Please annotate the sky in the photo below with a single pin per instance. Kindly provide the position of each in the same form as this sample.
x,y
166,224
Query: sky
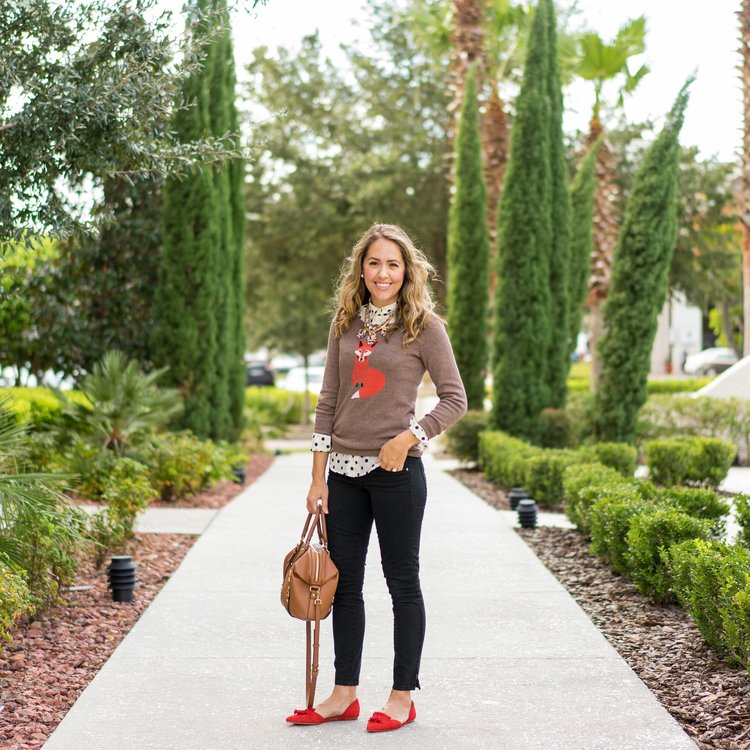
x,y
683,37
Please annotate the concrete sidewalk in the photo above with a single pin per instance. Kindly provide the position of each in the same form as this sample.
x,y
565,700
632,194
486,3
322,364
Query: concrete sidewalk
x,y
510,662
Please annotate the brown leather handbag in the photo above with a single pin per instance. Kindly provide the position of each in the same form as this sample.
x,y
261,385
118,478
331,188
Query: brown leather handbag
x,y
310,580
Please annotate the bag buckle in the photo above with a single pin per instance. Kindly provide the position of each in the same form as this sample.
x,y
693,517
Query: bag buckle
x,y
315,594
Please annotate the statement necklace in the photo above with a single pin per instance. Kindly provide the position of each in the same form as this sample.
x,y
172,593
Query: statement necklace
x,y
370,331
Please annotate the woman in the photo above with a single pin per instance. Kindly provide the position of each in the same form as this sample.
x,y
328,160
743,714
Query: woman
x,y
382,339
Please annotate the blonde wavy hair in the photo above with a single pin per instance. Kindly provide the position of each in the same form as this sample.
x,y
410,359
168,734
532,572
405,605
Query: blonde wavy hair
x,y
415,304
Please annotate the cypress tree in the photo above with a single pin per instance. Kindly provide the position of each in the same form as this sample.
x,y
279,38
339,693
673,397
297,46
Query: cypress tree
x,y
187,295
522,324
639,282
558,348
216,66
468,252
581,241
237,277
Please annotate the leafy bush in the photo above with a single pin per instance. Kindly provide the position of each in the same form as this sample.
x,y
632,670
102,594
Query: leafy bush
x,y
463,437
46,546
619,456
664,416
502,457
556,429
581,409
668,460
647,539
742,514
711,580
91,466
583,485
15,599
680,459
128,492
181,464
700,503
543,474
610,517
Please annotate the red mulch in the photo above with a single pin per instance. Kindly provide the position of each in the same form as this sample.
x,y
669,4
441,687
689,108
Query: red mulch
x,y
53,658
709,698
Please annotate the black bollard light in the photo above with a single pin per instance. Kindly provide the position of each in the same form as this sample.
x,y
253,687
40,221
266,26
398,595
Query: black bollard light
x,y
239,475
516,494
527,513
121,578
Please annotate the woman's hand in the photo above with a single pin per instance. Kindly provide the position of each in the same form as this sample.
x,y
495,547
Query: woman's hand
x,y
318,491
393,453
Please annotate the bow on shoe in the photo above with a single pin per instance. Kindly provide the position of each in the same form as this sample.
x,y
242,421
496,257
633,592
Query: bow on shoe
x,y
304,711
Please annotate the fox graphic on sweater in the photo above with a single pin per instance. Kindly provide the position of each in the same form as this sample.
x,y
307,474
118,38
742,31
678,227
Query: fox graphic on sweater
x,y
366,379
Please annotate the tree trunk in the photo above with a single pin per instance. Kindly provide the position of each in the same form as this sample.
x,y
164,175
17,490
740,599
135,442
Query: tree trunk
x,y
604,236
596,320
744,16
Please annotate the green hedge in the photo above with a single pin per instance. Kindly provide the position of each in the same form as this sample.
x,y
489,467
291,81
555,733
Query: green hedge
x,y
501,458
619,456
649,536
543,474
699,503
463,437
610,519
275,407
711,580
685,458
38,406
583,485
742,514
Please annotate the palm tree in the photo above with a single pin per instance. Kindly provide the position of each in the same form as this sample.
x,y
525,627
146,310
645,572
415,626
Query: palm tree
x,y
744,212
600,62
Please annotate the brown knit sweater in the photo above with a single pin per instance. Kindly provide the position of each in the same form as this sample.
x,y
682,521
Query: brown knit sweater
x,y
369,392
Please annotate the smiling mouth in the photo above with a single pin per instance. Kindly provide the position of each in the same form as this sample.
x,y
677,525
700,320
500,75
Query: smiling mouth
x,y
382,285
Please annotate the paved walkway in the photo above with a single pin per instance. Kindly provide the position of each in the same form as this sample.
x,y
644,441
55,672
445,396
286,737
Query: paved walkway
x,y
511,661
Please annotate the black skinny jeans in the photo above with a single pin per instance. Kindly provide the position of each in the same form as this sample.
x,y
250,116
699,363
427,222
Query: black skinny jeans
x,y
395,500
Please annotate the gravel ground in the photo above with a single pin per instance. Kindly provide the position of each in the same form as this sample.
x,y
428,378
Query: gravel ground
x,y
54,657
709,698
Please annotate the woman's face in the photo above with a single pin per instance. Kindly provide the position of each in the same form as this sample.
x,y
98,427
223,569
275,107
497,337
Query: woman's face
x,y
383,270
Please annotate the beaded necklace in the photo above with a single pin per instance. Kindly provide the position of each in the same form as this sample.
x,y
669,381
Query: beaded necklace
x,y
369,331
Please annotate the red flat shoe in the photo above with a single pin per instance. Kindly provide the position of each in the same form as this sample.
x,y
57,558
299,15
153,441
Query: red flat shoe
x,y
311,716
380,722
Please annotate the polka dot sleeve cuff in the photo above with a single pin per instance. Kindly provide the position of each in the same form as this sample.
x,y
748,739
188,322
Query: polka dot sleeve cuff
x,y
418,432
321,443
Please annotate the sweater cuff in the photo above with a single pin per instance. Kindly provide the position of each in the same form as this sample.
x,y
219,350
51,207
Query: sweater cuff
x,y
418,432
321,442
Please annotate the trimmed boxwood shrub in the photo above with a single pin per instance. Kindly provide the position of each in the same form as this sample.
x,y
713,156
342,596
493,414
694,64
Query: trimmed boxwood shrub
x,y
647,539
711,580
463,437
742,514
700,503
543,474
583,485
39,406
502,458
619,456
610,519
698,459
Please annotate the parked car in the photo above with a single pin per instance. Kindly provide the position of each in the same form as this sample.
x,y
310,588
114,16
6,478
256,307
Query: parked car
x,y
259,373
295,379
710,361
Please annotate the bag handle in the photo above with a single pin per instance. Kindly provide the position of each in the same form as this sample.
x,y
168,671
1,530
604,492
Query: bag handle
x,y
319,523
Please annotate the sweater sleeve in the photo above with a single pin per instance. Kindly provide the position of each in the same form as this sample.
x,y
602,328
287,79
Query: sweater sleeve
x,y
437,355
329,390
